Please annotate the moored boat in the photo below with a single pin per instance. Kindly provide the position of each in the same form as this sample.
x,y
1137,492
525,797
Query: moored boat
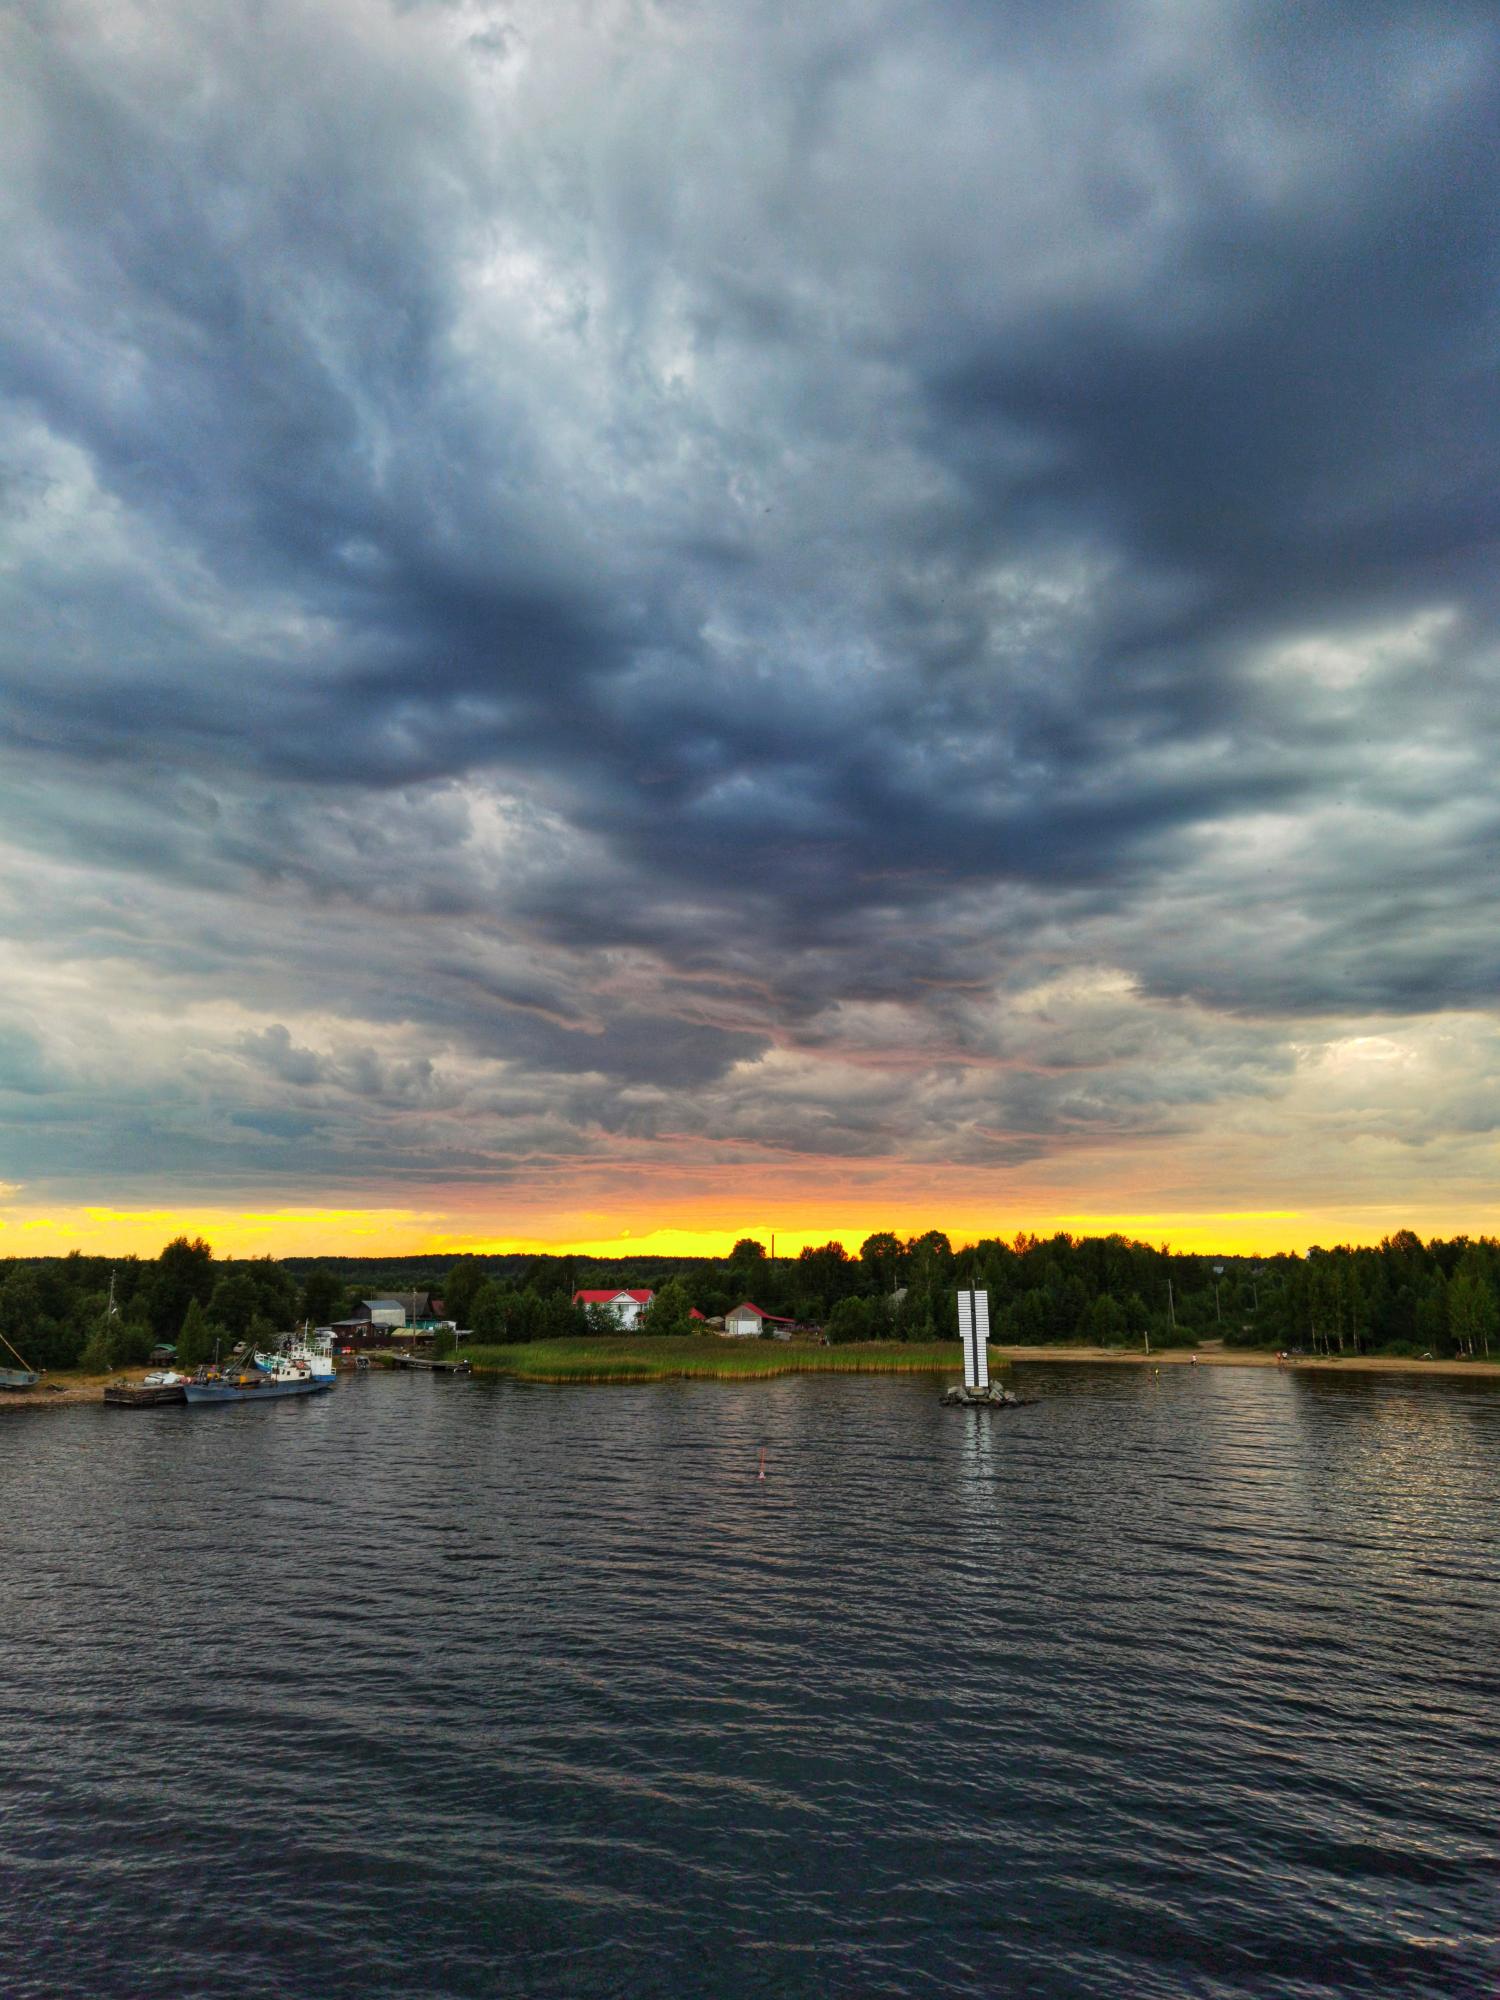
x,y
24,1377
301,1368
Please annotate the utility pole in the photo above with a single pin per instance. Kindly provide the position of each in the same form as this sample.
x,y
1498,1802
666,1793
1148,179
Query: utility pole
x,y
1171,1308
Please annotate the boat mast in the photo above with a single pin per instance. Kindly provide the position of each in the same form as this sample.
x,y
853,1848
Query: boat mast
x,y
18,1354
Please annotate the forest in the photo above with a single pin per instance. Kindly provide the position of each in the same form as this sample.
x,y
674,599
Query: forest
x,y
1401,1296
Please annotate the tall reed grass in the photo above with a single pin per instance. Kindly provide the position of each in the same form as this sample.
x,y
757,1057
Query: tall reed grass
x,y
638,1358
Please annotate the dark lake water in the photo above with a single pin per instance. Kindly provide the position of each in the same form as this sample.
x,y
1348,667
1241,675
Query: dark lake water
x,y
1184,1684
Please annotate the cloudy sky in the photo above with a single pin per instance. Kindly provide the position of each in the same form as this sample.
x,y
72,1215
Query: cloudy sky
x,y
624,620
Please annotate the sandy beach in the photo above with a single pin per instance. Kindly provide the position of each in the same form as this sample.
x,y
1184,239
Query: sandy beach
x,y
56,1392
1239,1357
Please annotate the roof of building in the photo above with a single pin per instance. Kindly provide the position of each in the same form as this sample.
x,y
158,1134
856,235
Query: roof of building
x,y
777,1319
610,1298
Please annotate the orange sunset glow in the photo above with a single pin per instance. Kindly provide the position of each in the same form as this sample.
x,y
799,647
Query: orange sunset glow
x,y
822,696
398,1232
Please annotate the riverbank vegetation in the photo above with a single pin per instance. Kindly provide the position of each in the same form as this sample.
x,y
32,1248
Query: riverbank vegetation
x,y
635,1358
1399,1297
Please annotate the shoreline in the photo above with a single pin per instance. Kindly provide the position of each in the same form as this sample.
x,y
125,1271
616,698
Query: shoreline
x,y
63,1390
1254,1357
762,1363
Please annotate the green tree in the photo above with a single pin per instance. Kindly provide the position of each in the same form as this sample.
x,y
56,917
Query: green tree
x,y
488,1319
21,1310
933,1254
461,1287
1136,1317
1070,1309
1432,1317
880,1256
856,1319
195,1344
918,1314
262,1333
130,1343
96,1357
1106,1321
1473,1318
826,1274
670,1312
277,1294
234,1302
1031,1318
184,1272
322,1297
525,1315
561,1319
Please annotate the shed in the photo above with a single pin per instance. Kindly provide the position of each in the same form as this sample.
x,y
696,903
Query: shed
x,y
747,1321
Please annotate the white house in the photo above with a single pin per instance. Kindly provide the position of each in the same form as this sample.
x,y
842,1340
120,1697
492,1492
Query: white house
x,y
747,1321
627,1307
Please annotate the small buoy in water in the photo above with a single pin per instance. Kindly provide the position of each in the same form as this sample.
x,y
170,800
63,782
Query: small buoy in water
x,y
762,1462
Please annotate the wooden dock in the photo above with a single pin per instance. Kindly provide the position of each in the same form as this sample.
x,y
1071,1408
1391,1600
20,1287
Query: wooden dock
x,y
141,1396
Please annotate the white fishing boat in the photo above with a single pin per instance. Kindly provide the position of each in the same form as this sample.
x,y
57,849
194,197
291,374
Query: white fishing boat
x,y
302,1367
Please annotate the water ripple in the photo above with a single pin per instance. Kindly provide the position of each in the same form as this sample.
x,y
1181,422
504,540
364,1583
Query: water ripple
x,y
1180,1685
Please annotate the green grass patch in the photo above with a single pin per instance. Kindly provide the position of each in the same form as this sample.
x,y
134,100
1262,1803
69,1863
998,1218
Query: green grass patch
x,y
634,1358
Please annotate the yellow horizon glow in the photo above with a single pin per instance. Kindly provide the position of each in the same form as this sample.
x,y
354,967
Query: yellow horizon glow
x,y
409,1232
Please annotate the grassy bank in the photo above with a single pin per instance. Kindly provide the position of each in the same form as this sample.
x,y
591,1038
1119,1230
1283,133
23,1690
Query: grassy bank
x,y
642,1359
628,1358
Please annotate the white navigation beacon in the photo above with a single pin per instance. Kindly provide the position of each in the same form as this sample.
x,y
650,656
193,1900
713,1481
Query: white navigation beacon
x,y
974,1333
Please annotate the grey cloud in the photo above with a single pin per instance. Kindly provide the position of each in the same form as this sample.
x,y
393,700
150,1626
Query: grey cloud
x,y
587,556
275,1051
23,1063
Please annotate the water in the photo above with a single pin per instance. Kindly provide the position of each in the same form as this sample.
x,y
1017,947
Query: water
x,y
1180,1684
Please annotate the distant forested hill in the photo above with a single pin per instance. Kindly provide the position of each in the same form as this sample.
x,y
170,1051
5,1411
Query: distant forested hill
x,y
1400,1296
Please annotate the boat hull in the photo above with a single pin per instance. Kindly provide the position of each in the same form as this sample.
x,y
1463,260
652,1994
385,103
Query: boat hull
x,y
257,1392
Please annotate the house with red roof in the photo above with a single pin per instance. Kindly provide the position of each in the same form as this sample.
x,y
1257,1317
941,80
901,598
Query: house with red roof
x,y
749,1320
627,1307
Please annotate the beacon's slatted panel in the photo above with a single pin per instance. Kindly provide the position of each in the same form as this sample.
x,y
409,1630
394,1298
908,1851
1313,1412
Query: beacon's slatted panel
x,y
974,1335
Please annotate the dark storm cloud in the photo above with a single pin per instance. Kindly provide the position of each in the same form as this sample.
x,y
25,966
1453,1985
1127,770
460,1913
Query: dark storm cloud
x,y
604,548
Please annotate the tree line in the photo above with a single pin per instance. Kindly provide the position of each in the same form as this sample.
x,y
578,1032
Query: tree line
x,y
1401,1296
